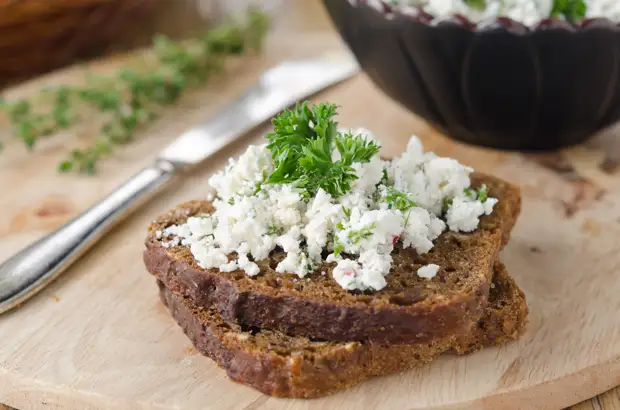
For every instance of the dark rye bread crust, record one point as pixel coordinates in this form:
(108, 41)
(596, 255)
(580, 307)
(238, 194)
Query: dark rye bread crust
(287, 366)
(409, 310)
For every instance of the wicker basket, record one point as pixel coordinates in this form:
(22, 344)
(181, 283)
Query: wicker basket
(39, 35)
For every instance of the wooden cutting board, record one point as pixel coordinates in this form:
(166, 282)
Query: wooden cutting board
(98, 338)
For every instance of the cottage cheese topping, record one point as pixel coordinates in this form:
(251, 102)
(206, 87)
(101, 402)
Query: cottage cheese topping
(428, 271)
(411, 199)
(528, 12)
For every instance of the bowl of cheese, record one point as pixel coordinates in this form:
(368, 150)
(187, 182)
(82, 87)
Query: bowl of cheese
(525, 75)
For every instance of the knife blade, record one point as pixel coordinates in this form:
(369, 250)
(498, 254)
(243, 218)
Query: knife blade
(275, 90)
(30, 270)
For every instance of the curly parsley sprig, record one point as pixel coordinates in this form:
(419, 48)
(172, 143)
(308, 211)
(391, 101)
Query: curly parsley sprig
(302, 146)
(132, 96)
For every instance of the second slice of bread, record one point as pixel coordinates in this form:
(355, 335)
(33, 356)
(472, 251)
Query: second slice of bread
(282, 365)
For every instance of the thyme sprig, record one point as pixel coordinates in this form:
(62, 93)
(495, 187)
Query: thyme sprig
(132, 96)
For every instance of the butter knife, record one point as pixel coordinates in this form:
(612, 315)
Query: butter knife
(31, 269)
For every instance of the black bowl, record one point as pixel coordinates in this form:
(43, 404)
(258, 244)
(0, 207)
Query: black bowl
(497, 84)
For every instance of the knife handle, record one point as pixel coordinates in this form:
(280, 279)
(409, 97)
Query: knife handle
(31, 269)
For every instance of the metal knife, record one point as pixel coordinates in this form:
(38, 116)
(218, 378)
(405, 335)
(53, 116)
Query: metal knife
(30, 270)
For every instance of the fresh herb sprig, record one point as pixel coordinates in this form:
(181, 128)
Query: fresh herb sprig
(302, 146)
(132, 96)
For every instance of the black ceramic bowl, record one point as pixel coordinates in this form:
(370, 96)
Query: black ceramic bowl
(500, 84)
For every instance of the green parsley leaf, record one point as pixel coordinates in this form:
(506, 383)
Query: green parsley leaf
(355, 148)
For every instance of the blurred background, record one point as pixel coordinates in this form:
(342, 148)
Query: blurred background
(37, 36)
(500, 84)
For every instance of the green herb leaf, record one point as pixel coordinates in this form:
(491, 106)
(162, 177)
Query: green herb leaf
(571, 10)
(447, 202)
(471, 193)
(338, 247)
(479, 5)
(355, 148)
(365, 232)
(483, 193)
(65, 166)
(384, 178)
(399, 200)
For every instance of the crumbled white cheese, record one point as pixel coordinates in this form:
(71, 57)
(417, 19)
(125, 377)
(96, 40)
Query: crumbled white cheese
(463, 214)
(430, 179)
(428, 271)
(253, 218)
(251, 268)
(241, 175)
(528, 12)
(229, 267)
(347, 274)
(368, 175)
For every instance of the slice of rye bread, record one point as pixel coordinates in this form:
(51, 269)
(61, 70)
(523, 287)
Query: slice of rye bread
(409, 309)
(294, 366)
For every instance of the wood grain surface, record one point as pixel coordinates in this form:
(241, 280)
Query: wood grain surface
(98, 338)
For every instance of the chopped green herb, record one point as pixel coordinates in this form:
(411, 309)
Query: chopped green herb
(480, 195)
(384, 178)
(399, 200)
(447, 202)
(571, 10)
(347, 211)
(483, 193)
(471, 193)
(259, 184)
(365, 232)
(338, 247)
(231, 201)
(480, 5)
(273, 230)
